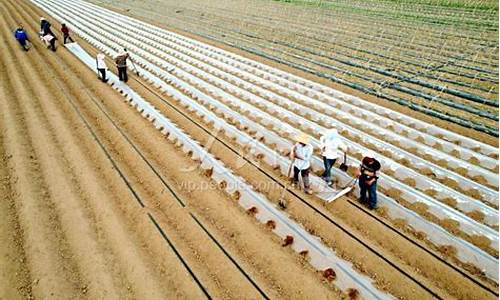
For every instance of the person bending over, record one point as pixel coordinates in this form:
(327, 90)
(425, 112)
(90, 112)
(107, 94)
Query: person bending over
(50, 41)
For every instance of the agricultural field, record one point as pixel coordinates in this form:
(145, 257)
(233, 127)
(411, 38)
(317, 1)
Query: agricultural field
(438, 58)
(169, 185)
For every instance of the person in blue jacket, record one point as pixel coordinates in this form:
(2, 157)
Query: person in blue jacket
(22, 37)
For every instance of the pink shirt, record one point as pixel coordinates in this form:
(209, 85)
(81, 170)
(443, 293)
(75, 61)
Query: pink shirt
(47, 38)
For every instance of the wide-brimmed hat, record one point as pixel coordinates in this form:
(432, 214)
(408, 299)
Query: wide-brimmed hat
(332, 132)
(368, 153)
(302, 138)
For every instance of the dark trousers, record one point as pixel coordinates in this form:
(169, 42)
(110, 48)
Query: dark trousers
(122, 74)
(48, 31)
(103, 74)
(23, 44)
(53, 44)
(304, 174)
(66, 37)
(328, 164)
(364, 188)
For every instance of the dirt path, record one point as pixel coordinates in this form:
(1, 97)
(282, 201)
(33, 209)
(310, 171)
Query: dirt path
(83, 172)
(15, 282)
(48, 258)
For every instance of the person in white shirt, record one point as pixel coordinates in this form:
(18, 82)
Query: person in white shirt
(101, 66)
(330, 144)
(301, 154)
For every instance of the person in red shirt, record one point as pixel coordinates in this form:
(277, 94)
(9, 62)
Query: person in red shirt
(65, 32)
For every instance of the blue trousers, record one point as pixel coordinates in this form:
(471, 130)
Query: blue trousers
(328, 163)
(364, 188)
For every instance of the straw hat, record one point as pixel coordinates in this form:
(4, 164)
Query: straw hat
(331, 132)
(302, 138)
(368, 153)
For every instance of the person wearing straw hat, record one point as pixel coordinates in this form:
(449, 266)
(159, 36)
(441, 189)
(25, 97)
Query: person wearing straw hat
(367, 176)
(45, 27)
(330, 143)
(301, 154)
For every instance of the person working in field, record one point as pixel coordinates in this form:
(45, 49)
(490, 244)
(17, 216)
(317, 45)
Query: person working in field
(45, 27)
(101, 66)
(50, 41)
(46, 34)
(330, 144)
(22, 37)
(121, 64)
(301, 154)
(367, 175)
(65, 32)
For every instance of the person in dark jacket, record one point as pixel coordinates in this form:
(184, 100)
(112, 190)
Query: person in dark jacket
(368, 181)
(22, 37)
(42, 24)
(121, 64)
(45, 27)
(65, 32)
